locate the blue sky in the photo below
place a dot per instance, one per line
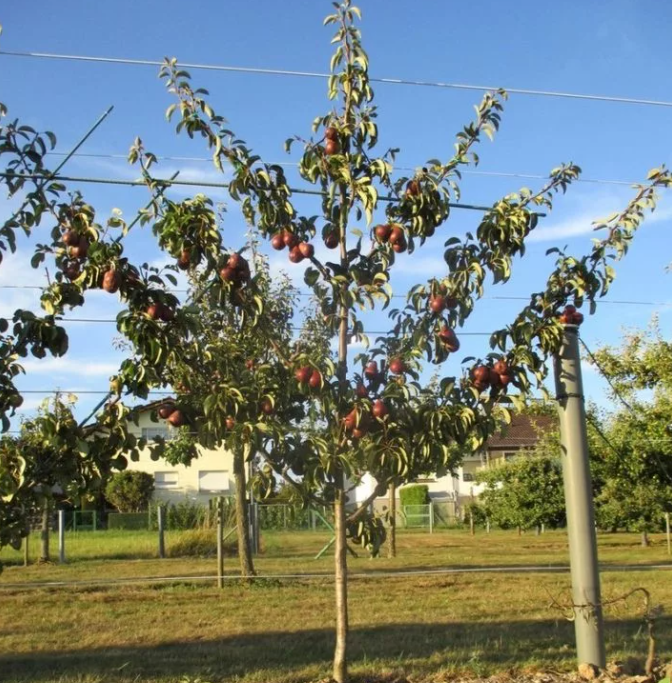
(604, 48)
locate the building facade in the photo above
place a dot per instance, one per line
(514, 440)
(209, 475)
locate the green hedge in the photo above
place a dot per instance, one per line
(417, 494)
(128, 520)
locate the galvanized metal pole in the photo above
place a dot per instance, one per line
(220, 543)
(26, 549)
(588, 622)
(160, 523)
(667, 532)
(61, 536)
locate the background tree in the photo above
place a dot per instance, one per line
(636, 455)
(233, 371)
(130, 491)
(524, 493)
(52, 455)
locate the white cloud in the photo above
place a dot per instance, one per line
(62, 367)
(190, 172)
(590, 208)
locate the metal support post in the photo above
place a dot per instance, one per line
(588, 622)
(61, 536)
(220, 542)
(160, 522)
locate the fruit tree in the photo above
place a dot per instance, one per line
(318, 425)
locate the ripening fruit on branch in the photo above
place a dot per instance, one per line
(184, 261)
(303, 374)
(229, 423)
(177, 418)
(480, 377)
(400, 247)
(71, 270)
(307, 249)
(295, 255)
(236, 270)
(501, 367)
(371, 370)
(505, 379)
(379, 409)
(437, 304)
(396, 235)
(350, 420)
(397, 366)
(331, 133)
(449, 338)
(81, 248)
(228, 274)
(331, 240)
(166, 410)
(154, 311)
(266, 406)
(570, 316)
(315, 380)
(359, 433)
(70, 238)
(111, 281)
(332, 147)
(290, 239)
(361, 391)
(413, 188)
(278, 241)
(382, 232)
(166, 313)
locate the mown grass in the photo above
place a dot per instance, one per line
(281, 630)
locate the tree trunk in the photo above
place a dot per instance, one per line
(45, 531)
(392, 530)
(537, 530)
(472, 528)
(645, 539)
(340, 673)
(242, 517)
(520, 531)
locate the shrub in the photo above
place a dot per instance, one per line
(130, 490)
(417, 494)
(477, 510)
(192, 515)
(128, 521)
(199, 543)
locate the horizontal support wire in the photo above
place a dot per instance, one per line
(496, 174)
(403, 296)
(322, 75)
(513, 569)
(167, 182)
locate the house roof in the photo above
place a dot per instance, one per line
(152, 405)
(523, 432)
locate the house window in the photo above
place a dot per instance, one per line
(165, 480)
(150, 433)
(467, 476)
(426, 480)
(213, 481)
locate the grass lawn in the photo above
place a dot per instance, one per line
(281, 630)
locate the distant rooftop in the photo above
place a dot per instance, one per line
(523, 432)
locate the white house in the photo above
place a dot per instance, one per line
(211, 474)
(514, 440)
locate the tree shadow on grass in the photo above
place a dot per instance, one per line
(418, 648)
